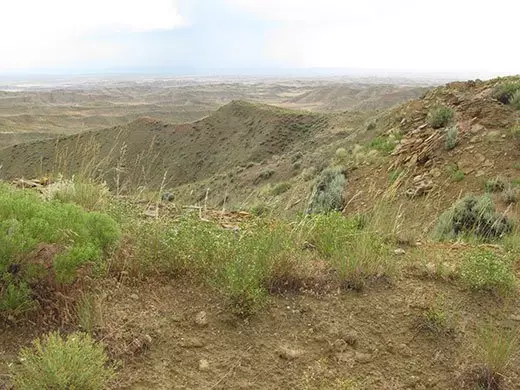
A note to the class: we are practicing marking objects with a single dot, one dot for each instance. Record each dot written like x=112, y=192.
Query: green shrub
x=56, y=363
x=260, y=209
x=495, y=185
x=341, y=155
x=15, y=299
x=484, y=270
x=475, y=216
x=280, y=188
x=440, y=116
x=356, y=255
x=510, y=195
x=455, y=173
x=328, y=191
x=505, y=92
x=383, y=144
x=86, y=193
x=452, y=137
x=515, y=100
x=28, y=222
x=515, y=132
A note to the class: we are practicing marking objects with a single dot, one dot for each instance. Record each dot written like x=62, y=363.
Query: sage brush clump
x=328, y=191
x=473, y=216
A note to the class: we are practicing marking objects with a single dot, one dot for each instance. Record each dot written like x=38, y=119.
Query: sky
x=241, y=36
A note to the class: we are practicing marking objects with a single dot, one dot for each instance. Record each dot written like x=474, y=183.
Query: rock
x=362, y=357
x=203, y=365
x=287, y=353
x=140, y=344
x=135, y=297
x=515, y=317
x=351, y=338
x=435, y=172
x=404, y=350
x=201, y=319
x=152, y=212
x=399, y=252
x=167, y=197
x=192, y=343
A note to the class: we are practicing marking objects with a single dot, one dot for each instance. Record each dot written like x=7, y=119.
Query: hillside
x=147, y=151
x=243, y=277
x=342, y=97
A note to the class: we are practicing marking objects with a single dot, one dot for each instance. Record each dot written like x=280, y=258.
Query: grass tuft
x=440, y=116
x=328, y=191
x=61, y=363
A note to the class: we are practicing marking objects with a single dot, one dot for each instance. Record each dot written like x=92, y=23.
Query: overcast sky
x=461, y=36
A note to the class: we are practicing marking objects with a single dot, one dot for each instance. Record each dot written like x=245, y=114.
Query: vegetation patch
x=440, y=116
x=452, y=137
x=484, y=270
x=384, y=145
x=504, y=93
x=455, y=173
x=472, y=216
x=280, y=188
x=39, y=239
x=495, y=348
x=61, y=363
x=496, y=184
x=328, y=191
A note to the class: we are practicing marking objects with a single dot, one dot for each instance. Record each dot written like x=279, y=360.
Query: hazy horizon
x=255, y=37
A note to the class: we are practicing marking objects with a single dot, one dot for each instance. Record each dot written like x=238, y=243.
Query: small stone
x=192, y=343
x=515, y=317
x=203, y=365
x=135, y=297
x=201, y=318
x=363, y=357
x=404, y=350
x=287, y=353
x=399, y=252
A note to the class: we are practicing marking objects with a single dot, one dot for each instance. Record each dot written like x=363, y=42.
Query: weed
x=86, y=193
x=356, y=255
x=341, y=155
x=515, y=132
x=515, y=99
x=280, y=188
x=484, y=270
x=505, y=92
x=264, y=174
x=73, y=362
x=440, y=116
x=88, y=311
x=510, y=195
x=383, y=145
x=452, y=137
x=435, y=320
x=455, y=173
x=495, y=185
x=495, y=348
x=394, y=175
x=16, y=300
x=472, y=216
x=328, y=191
x=260, y=209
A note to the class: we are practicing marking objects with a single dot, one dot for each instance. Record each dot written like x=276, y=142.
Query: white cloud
x=41, y=33
x=422, y=35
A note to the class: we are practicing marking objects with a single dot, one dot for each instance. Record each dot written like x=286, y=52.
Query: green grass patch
x=280, y=188
x=505, y=92
x=61, y=363
x=484, y=270
x=28, y=222
x=383, y=144
x=440, y=116
x=496, y=184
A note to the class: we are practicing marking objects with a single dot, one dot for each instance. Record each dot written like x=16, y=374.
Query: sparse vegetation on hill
x=473, y=215
x=440, y=116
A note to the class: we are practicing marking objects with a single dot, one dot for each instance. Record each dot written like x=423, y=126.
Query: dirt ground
x=176, y=334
